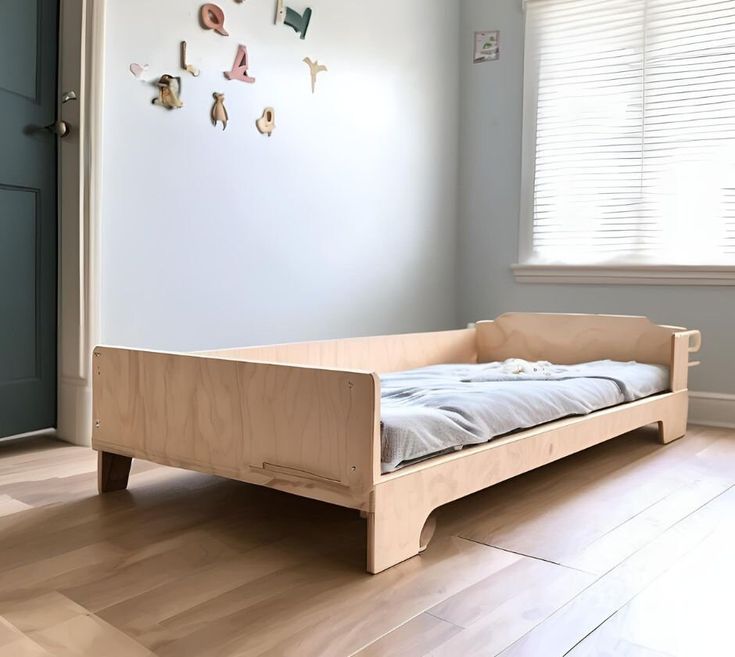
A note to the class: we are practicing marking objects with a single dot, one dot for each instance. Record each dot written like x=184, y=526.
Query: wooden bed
x=305, y=418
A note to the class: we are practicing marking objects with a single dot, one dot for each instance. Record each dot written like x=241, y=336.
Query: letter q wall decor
x=213, y=18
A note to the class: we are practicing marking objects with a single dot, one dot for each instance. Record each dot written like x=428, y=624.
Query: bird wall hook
x=316, y=68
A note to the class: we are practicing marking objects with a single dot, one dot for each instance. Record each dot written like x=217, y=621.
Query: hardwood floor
x=625, y=549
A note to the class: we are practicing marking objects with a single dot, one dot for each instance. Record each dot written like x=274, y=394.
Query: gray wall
x=489, y=200
x=343, y=223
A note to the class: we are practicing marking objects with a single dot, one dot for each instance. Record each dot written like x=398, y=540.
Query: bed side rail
x=310, y=429
x=388, y=353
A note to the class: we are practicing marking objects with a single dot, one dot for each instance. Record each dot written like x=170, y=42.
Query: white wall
x=343, y=223
x=489, y=193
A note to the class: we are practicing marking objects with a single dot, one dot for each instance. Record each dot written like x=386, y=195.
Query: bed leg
x=396, y=535
x=674, y=426
x=112, y=472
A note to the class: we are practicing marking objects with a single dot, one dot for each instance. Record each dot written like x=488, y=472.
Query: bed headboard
x=570, y=339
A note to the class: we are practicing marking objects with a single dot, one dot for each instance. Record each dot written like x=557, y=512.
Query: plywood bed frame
x=305, y=418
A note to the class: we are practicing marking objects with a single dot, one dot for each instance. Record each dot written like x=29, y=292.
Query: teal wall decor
x=299, y=22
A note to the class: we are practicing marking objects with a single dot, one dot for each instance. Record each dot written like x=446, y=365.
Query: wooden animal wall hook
x=299, y=22
x=213, y=18
x=219, y=111
x=184, y=65
x=240, y=67
x=267, y=123
x=169, y=92
x=280, y=12
x=316, y=68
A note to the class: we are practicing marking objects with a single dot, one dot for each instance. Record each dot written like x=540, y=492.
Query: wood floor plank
x=413, y=639
x=191, y=552
x=8, y=633
x=615, y=546
x=497, y=613
x=624, y=549
x=144, y=614
x=86, y=635
x=688, y=610
x=9, y=505
x=23, y=647
x=37, y=613
x=524, y=578
x=567, y=627
x=322, y=623
x=600, y=496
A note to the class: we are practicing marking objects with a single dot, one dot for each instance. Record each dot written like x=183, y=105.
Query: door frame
x=81, y=69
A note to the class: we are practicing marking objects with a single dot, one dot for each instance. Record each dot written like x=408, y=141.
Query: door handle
x=59, y=128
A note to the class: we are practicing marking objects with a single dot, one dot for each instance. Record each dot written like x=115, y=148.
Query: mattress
x=439, y=409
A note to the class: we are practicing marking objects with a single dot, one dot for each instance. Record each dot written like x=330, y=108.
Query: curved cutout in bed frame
x=305, y=418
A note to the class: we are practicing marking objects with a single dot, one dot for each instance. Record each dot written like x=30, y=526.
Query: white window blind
x=629, y=131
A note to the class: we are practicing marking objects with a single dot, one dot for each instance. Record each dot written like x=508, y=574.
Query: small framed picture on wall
x=487, y=47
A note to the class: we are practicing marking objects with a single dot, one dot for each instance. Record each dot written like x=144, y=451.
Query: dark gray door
x=28, y=224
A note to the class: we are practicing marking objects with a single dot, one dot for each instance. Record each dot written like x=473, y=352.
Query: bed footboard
x=304, y=430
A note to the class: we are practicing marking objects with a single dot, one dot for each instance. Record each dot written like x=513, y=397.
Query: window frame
x=529, y=270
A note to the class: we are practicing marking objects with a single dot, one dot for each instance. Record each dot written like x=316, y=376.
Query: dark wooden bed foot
x=112, y=472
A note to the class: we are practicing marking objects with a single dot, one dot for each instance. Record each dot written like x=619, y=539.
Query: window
x=629, y=132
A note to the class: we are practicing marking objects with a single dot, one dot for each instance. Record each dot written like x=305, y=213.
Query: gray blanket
x=435, y=410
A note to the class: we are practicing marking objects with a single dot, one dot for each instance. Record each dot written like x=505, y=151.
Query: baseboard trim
x=45, y=433
x=712, y=409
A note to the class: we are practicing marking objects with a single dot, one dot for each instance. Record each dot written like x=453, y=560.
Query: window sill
x=625, y=274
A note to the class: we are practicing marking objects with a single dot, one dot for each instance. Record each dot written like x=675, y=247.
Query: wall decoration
x=219, y=111
x=316, y=68
x=169, y=91
x=487, y=47
x=267, y=123
x=184, y=65
x=240, y=67
x=299, y=22
x=138, y=70
x=280, y=12
x=213, y=18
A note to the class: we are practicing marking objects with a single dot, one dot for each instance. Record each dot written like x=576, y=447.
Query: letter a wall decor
x=240, y=67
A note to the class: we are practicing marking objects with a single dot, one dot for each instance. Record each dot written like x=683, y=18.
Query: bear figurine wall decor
x=169, y=92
